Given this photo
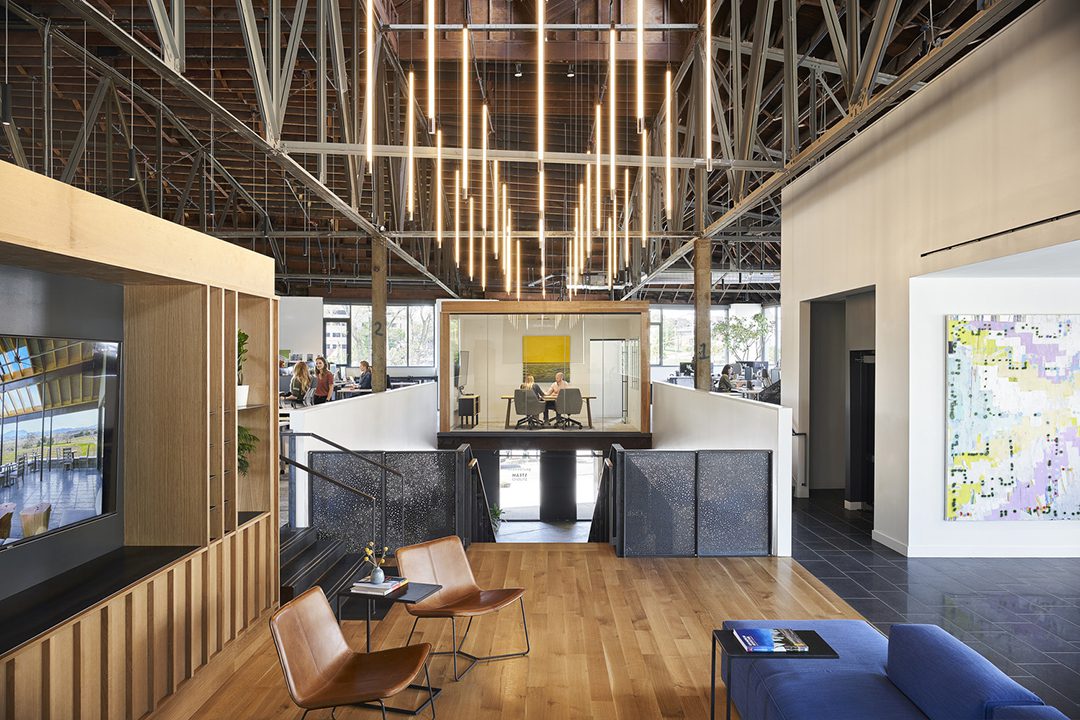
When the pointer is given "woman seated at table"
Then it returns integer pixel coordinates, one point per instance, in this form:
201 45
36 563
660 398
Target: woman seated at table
725 384
531 384
363 381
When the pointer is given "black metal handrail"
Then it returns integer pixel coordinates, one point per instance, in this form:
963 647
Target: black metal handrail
482 498
342 448
300 466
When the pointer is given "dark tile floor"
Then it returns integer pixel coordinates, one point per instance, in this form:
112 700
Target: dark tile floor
1021 614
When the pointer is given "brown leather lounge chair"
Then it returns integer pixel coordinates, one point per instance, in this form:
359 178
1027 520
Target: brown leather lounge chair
444 562
321 671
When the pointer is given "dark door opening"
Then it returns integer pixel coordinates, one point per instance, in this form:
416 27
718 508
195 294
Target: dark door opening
859 488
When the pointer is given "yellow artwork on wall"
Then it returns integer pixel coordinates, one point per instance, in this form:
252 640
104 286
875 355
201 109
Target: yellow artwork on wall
544 355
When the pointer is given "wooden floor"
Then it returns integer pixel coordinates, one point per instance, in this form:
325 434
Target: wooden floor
611 637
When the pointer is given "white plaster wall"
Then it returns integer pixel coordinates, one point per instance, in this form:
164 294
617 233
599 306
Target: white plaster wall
931 301
689 419
300 324
404 419
990 145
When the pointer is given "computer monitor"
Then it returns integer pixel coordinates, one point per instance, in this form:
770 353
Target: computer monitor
774 376
686 368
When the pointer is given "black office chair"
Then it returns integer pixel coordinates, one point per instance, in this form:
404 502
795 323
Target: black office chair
568 402
529 406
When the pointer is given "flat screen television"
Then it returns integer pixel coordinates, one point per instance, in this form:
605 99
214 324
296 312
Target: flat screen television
59 432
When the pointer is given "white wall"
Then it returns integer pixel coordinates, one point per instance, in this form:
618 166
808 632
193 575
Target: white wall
300 324
991 144
688 419
931 301
404 419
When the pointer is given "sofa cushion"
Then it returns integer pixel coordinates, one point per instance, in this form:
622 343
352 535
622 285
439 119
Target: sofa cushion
840 694
1028 712
947 679
860 647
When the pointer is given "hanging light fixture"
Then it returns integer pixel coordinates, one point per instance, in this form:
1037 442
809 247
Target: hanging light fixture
410 163
508 270
431 65
465 110
570 70
133 169
5 102
669 110
626 216
518 71
644 187
540 89
540 228
599 165
641 65
483 168
472 252
613 76
457 217
438 189
369 82
496 238
706 101
586 202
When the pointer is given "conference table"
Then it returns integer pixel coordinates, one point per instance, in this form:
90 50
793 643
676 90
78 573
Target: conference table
548 398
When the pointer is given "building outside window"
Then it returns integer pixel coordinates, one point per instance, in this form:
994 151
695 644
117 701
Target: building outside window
410 334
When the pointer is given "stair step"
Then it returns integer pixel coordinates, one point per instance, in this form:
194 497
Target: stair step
304 570
294 542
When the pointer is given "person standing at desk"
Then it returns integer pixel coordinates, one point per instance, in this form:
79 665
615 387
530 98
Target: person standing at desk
363 382
724 384
324 381
553 392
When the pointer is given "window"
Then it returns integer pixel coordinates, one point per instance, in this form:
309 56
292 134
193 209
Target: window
719 351
410 334
677 336
772 343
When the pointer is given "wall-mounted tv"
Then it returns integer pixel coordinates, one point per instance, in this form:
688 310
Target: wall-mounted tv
59 431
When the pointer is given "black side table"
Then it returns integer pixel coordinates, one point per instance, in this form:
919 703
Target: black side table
819 650
412 593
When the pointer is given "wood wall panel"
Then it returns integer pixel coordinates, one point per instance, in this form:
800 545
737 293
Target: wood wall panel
140 651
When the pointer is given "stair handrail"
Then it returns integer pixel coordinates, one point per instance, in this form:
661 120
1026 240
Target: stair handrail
300 466
342 448
474 466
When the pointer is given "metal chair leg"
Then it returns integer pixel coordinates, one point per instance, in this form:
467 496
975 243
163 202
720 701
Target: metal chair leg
409 641
467 629
382 706
431 693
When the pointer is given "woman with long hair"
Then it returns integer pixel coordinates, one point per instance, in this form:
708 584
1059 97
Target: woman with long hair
324 381
300 383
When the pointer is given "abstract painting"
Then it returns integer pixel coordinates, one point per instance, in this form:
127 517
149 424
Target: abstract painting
544 355
1013 402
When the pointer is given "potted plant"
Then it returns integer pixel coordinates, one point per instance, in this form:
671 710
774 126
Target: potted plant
741 335
241 356
376 559
245 444
497 514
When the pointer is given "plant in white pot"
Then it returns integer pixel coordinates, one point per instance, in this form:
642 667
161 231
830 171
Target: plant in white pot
241 356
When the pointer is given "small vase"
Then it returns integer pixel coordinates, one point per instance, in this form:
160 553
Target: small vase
377 576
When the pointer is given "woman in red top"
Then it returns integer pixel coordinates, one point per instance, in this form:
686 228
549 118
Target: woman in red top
324 381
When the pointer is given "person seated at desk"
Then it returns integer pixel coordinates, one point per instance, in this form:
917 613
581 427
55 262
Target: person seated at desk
531 384
363 381
725 383
300 383
553 392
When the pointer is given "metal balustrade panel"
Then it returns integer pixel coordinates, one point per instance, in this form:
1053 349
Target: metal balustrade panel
733 502
658 503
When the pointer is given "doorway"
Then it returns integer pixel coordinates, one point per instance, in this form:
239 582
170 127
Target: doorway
547 496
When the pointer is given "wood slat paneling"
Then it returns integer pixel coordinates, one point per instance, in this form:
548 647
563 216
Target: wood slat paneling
141 650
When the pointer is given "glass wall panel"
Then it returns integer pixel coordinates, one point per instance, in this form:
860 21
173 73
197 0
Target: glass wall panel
397 336
595 356
421 335
361 333
337 341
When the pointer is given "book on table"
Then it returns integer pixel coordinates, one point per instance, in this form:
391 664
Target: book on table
769 640
387 586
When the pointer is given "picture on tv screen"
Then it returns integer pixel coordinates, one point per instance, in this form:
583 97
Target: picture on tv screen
58 430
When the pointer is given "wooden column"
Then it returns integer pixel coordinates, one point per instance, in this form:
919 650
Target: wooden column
702 290
378 314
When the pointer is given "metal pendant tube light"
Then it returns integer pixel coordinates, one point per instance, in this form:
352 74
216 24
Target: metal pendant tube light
706 88
431 64
540 89
586 202
641 65
457 217
626 216
644 187
599 165
465 110
133 170
438 190
410 163
669 111
497 239
613 76
472 251
483 168
369 83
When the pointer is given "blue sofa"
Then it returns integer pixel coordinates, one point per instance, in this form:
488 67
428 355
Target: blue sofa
919 672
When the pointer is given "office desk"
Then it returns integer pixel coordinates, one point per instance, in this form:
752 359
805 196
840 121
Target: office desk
547 398
349 392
